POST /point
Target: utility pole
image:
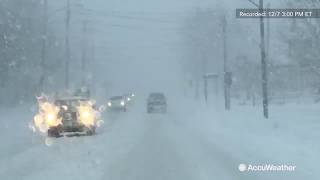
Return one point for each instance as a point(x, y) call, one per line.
point(93, 50)
point(263, 65)
point(268, 35)
point(206, 89)
point(227, 75)
point(84, 53)
point(44, 46)
point(67, 60)
point(93, 53)
point(264, 68)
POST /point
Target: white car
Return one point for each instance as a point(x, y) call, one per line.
point(117, 103)
point(129, 97)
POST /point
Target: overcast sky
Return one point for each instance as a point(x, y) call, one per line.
point(138, 43)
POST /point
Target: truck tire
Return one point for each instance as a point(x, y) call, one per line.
point(53, 132)
point(90, 131)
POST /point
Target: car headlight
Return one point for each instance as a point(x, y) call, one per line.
point(132, 95)
point(109, 104)
point(122, 103)
point(129, 99)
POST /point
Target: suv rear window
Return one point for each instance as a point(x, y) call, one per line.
point(157, 95)
point(116, 98)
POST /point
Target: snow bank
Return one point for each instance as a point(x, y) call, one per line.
point(289, 137)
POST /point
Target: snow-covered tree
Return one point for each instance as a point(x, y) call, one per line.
point(202, 41)
point(20, 42)
point(303, 42)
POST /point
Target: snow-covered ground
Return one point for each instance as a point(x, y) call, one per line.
point(191, 141)
point(289, 137)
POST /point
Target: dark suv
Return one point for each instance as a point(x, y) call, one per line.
point(156, 102)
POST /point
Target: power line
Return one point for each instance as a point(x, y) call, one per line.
point(114, 15)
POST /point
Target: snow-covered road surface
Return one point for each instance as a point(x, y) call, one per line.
point(167, 152)
point(132, 145)
point(136, 146)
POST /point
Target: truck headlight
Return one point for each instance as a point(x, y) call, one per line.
point(109, 104)
point(129, 99)
point(122, 103)
point(86, 115)
point(51, 119)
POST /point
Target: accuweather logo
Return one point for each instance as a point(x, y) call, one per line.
point(265, 167)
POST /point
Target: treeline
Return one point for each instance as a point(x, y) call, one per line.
point(292, 53)
point(204, 38)
point(303, 43)
point(21, 40)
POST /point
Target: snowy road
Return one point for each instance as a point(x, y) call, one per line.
point(130, 146)
point(166, 152)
